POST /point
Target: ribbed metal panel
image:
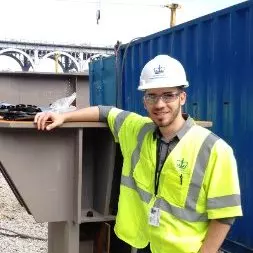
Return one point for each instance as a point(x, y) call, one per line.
point(217, 52)
point(102, 80)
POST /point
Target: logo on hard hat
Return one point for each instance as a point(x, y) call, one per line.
point(159, 70)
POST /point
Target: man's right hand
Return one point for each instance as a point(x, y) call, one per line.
point(41, 119)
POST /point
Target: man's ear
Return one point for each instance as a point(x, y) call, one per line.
point(182, 98)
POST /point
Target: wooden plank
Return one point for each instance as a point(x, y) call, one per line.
point(30, 124)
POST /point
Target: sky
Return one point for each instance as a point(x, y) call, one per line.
point(74, 21)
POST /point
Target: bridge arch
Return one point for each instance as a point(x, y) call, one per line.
point(14, 50)
point(62, 53)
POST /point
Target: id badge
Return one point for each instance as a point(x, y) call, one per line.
point(154, 217)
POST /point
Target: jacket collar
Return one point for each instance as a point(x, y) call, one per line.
point(189, 122)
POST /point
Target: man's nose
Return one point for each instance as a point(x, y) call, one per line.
point(159, 102)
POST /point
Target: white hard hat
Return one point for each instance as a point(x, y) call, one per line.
point(161, 72)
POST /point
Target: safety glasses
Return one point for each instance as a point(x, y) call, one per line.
point(167, 97)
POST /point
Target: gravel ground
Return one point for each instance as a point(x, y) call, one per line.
point(14, 217)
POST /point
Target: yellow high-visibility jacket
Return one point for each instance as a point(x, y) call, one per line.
point(209, 188)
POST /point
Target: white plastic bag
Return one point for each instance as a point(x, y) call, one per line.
point(64, 104)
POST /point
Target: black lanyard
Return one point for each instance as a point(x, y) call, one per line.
point(161, 156)
point(159, 166)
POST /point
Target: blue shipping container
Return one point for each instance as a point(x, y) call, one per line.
point(102, 79)
point(217, 52)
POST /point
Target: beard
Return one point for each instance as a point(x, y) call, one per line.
point(168, 118)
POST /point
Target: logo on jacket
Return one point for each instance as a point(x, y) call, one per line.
point(182, 164)
point(159, 70)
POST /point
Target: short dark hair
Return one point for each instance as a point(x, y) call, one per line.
point(181, 88)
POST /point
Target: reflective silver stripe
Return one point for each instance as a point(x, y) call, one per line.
point(119, 121)
point(180, 213)
point(199, 171)
point(146, 197)
point(130, 183)
point(136, 154)
point(224, 201)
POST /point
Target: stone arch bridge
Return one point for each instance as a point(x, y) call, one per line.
point(71, 58)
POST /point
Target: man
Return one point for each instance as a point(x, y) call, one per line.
point(179, 187)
